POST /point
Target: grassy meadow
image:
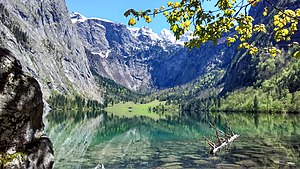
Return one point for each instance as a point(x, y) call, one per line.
point(131, 109)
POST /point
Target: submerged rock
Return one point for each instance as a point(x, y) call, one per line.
point(23, 143)
point(227, 166)
point(201, 162)
point(247, 163)
point(240, 156)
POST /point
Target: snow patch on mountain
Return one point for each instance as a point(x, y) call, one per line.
point(77, 17)
point(102, 54)
point(102, 20)
point(134, 31)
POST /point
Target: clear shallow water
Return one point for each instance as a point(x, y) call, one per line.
point(86, 139)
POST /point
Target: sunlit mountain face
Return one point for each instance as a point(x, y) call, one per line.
point(143, 60)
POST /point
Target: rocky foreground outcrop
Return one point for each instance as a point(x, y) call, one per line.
point(23, 143)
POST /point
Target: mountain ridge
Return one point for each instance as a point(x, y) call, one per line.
point(140, 59)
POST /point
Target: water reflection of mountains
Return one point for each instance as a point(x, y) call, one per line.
point(247, 123)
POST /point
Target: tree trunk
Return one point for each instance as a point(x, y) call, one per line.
point(224, 144)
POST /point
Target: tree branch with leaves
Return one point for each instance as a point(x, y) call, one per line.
point(206, 25)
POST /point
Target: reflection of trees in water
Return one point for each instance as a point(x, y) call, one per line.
point(115, 125)
point(177, 127)
point(253, 124)
point(72, 134)
point(196, 124)
point(256, 119)
point(190, 123)
point(60, 116)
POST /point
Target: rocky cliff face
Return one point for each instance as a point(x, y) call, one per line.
point(22, 140)
point(141, 59)
point(109, 47)
point(41, 35)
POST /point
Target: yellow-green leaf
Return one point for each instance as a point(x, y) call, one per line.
point(298, 12)
point(297, 54)
point(131, 22)
point(265, 13)
point(147, 19)
point(174, 28)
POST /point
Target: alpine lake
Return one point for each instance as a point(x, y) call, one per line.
point(91, 139)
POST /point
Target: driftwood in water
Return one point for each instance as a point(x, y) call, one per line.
point(222, 142)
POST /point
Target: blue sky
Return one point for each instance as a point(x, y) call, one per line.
point(114, 9)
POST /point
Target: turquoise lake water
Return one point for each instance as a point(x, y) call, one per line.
point(89, 139)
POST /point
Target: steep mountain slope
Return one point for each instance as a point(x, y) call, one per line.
point(41, 34)
point(143, 60)
point(108, 46)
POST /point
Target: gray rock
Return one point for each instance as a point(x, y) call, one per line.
point(247, 163)
point(40, 154)
point(22, 141)
point(227, 166)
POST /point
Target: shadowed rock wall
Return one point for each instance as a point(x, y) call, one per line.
point(23, 143)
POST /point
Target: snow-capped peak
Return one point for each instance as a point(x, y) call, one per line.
point(167, 35)
point(145, 31)
point(77, 17)
point(164, 36)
